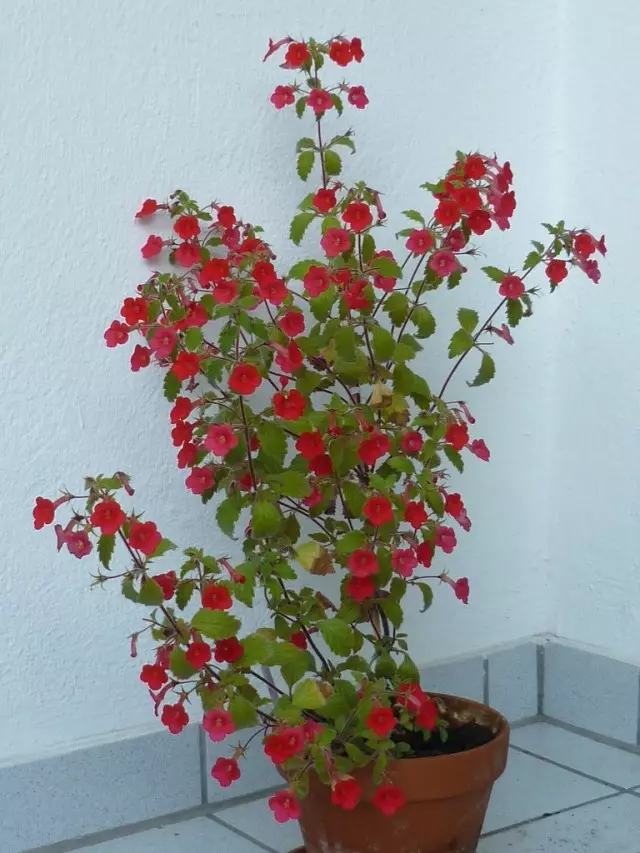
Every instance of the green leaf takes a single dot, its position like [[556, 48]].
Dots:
[[461, 341], [106, 544], [368, 248], [416, 216], [468, 319], [299, 225], [344, 140], [486, 372], [354, 497], [532, 260], [338, 635], [346, 343], [393, 611], [301, 103], [307, 695], [397, 307], [179, 665], [171, 386], [454, 457], [305, 163], [401, 463], [337, 103], [215, 624], [193, 338], [321, 305], [227, 337], [150, 593], [273, 440], [343, 455], [383, 343], [427, 595], [129, 591], [266, 519], [408, 671], [258, 649], [332, 163], [243, 712], [299, 270], [291, 484], [514, 312], [494, 273], [424, 321], [350, 542], [386, 267], [537, 245], [228, 513], [305, 142], [164, 546], [380, 768], [184, 592]]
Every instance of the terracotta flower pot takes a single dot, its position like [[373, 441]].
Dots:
[[447, 798]]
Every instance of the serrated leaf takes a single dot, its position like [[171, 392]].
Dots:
[[321, 305], [183, 593], [273, 440], [305, 163], [301, 103], [532, 260], [454, 457], [227, 338], [337, 103], [258, 649], [461, 341], [514, 312], [150, 593], [299, 225], [537, 245], [402, 464], [368, 248], [468, 319], [171, 386], [266, 519], [486, 372], [350, 542], [291, 484], [179, 665], [347, 141], [338, 635], [383, 343], [494, 273], [193, 338], [128, 590], [305, 142], [243, 712], [416, 216], [427, 595], [228, 513], [299, 270], [215, 624], [307, 695], [424, 321], [387, 267], [354, 498], [332, 163], [397, 307], [106, 544], [393, 611], [164, 546]]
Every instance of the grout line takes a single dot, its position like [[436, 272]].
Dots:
[[215, 808], [540, 676], [493, 832], [638, 708], [202, 752], [242, 834], [598, 738], [618, 788], [527, 721], [485, 682]]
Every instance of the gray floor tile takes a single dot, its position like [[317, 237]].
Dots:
[[611, 826], [531, 788], [195, 836], [257, 821], [604, 762], [513, 681]]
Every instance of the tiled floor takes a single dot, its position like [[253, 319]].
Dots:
[[561, 793]]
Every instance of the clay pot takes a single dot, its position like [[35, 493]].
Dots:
[[447, 798]]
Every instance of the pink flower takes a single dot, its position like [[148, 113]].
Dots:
[[282, 96], [461, 590], [78, 544], [503, 332], [404, 562], [285, 806], [480, 449], [220, 439], [363, 563], [152, 247], [163, 341], [199, 480], [225, 771], [319, 101], [511, 287], [446, 539], [358, 97], [316, 279], [443, 263], [218, 724], [419, 241], [411, 442], [335, 242]]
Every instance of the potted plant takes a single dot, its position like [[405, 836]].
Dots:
[[299, 406]]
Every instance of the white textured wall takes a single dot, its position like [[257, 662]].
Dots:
[[105, 103]]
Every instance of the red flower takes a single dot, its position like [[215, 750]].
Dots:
[[226, 216], [152, 247], [289, 359], [457, 435], [427, 717], [153, 676], [109, 516], [453, 505], [356, 297], [274, 292], [187, 364], [404, 561], [384, 282], [360, 588], [316, 280], [410, 696], [363, 563], [292, 323], [474, 167], [285, 806], [456, 241], [299, 640], [168, 583], [419, 241], [357, 97], [182, 408], [198, 654], [134, 310], [186, 227], [43, 513], [321, 465], [78, 544], [187, 455], [388, 799], [225, 771], [378, 510], [264, 272], [335, 242], [479, 221], [214, 271], [289, 405], [411, 442], [216, 597], [381, 721], [356, 49], [116, 334], [324, 200], [346, 794], [584, 245], [225, 292], [468, 199], [373, 448], [443, 263], [556, 271], [244, 379], [447, 213], [149, 207], [282, 96], [200, 480], [175, 718], [319, 101], [424, 553], [340, 52], [218, 724], [480, 449], [415, 514], [446, 539], [511, 287], [163, 341], [181, 433], [220, 439], [228, 651], [187, 254], [140, 357], [297, 54], [461, 590], [144, 536], [358, 216], [310, 444], [283, 745]]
